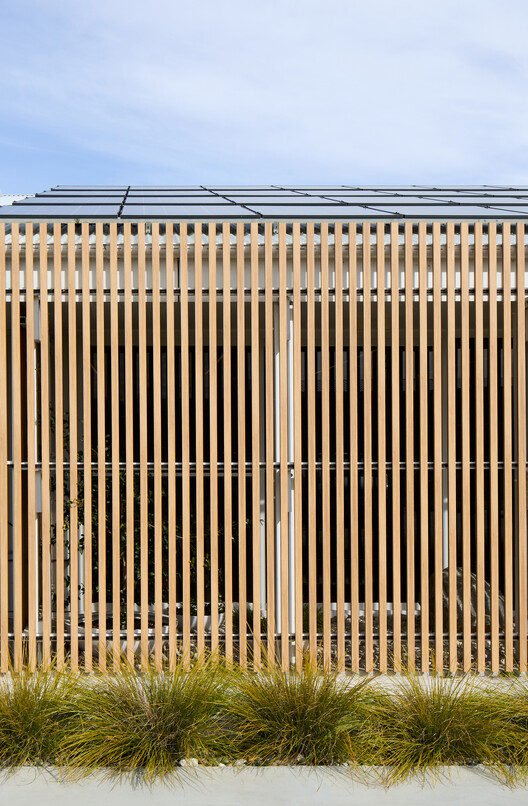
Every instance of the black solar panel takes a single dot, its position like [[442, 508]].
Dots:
[[273, 202]]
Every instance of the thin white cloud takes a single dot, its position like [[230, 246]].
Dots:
[[268, 91]]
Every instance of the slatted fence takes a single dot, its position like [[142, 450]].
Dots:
[[264, 438]]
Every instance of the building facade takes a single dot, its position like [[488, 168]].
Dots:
[[264, 421]]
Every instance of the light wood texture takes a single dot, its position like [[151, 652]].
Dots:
[[283, 451], [129, 440], [424, 471], [241, 407], [4, 489], [171, 438], [59, 444], [213, 418], [508, 447], [101, 444], [200, 530], [228, 493], [382, 448], [312, 488], [143, 448], [72, 449], [297, 442], [270, 471], [255, 446], [325, 440], [45, 444], [395, 423], [409, 440], [186, 481], [479, 444], [494, 445], [354, 439], [31, 453], [437, 451], [368, 480], [522, 613], [156, 402], [340, 448], [17, 443], [466, 426], [451, 447], [87, 440], [114, 449]]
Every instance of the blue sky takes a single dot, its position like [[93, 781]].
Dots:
[[263, 91]]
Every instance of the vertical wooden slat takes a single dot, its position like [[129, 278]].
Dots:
[[424, 471], [186, 492], [466, 427], [479, 445], [4, 520], [522, 614], [17, 444], [31, 451], [508, 434], [451, 449], [395, 424], [255, 443], [409, 440], [270, 471], [382, 458], [116, 484], [101, 443], [283, 454], [340, 450], [59, 442], [437, 437], [325, 439], [312, 489], [213, 431], [87, 438], [297, 457], [494, 445], [171, 437], [156, 388], [198, 342], [241, 408], [129, 440], [73, 447], [228, 502], [354, 438], [367, 436], [143, 447]]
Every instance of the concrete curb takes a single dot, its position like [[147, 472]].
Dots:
[[280, 786]]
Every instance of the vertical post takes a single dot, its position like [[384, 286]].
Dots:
[[241, 409], [409, 442], [354, 438], [340, 449], [382, 458], [522, 614], [199, 379], [297, 445], [213, 420], [59, 442], [270, 471], [437, 457], [73, 446], [31, 450], [4, 498], [255, 445], [479, 446], [171, 438], [129, 441], [395, 399], [87, 438], [494, 445]]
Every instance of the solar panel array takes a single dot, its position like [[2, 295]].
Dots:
[[272, 202]]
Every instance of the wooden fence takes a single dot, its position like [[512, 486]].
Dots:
[[264, 438]]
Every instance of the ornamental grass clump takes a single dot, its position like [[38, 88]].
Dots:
[[301, 717], [432, 722], [144, 723], [35, 716]]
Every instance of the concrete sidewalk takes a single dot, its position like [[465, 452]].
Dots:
[[279, 786]]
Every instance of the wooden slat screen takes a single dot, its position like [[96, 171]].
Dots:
[[266, 440]]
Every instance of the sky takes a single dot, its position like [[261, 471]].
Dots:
[[283, 92]]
